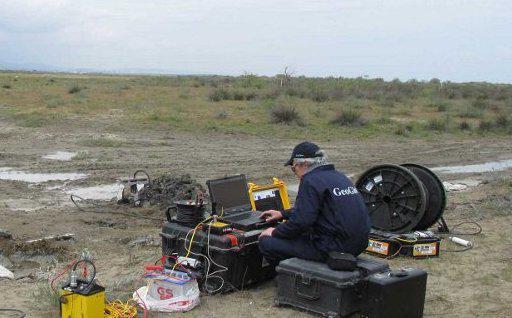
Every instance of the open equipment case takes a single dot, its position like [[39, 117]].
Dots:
[[222, 257]]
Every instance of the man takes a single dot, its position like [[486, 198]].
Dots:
[[329, 213]]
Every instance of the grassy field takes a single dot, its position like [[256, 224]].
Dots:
[[305, 108]]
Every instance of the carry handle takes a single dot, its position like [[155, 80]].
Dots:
[[301, 280], [168, 212]]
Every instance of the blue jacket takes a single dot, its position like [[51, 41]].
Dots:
[[330, 210]]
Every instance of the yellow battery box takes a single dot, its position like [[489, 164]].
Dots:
[[273, 196], [84, 301]]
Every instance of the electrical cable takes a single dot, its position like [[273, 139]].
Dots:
[[477, 231], [21, 313], [103, 211], [119, 309]]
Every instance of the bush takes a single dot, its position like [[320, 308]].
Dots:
[[6, 86], [222, 115], [286, 114], [464, 125], [471, 112], [219, 94], [244, 95], [436, 124], [502, 121], [403, 130], [296, 92], [319, 95], [74, 89], [442, 107], [480, 104], [485, 125], [349, 117]]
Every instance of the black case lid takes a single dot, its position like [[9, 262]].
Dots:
[[321, 270]]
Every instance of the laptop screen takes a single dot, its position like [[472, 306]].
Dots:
[[230, 193]]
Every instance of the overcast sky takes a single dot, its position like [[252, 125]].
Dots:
[[450, 40]]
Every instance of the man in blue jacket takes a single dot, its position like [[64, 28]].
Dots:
[[329, 213]]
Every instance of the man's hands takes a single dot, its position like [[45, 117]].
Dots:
[[271, 215], [267, 232]]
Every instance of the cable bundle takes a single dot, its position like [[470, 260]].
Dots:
[[119, 309]]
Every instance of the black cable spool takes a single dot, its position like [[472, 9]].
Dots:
[[436, 195], [395, 197], [188, 212]]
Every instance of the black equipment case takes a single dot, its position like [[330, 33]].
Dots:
[[396, 294], [372, 290], [237, 253], [315, 287]]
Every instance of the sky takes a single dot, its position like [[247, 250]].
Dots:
[[459, 41]]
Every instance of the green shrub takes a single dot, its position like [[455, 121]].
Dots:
[[349, 117], [319, 95], [480, 104], [442, 107], [74, 89], [403, 130], [436, 124], [502, 121], [464, 125], [485, 125], [244, 95], [219, 94], [471, 112], [6, 86], [295, 91], [222, 115], [286, 114]]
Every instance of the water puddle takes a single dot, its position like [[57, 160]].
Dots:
[[61, 155], [22, 205], [16, 175], [102, 192], [476, 168]]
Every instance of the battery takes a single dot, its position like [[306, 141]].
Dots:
[[419, 244]]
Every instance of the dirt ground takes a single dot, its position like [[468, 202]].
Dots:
[[476, 283]]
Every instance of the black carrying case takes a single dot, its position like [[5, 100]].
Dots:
[[315, 287], [237, 251], [395, 294]]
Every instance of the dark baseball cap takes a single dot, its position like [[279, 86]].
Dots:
[[305, 149]]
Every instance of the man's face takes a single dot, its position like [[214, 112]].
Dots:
[[299, 169]]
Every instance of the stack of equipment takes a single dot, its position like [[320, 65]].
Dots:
[[370, 290], [222, 250]]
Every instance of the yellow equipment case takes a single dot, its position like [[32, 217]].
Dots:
[[269, 197], [83, 301]]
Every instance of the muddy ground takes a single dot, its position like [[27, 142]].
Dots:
[[476, 283]]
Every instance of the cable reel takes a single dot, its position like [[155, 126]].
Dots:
[[402, 198]]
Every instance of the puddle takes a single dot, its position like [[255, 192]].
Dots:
[[16, 175], [460, 185], [22, 205], [61, 155], [101, 192], [483, 167]]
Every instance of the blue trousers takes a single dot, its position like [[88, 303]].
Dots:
[[276, 249]]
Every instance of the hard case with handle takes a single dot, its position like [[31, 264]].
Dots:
[[315, 287]]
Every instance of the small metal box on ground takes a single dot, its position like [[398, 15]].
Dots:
[[81, 302], [313, 286], [395, 294]]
